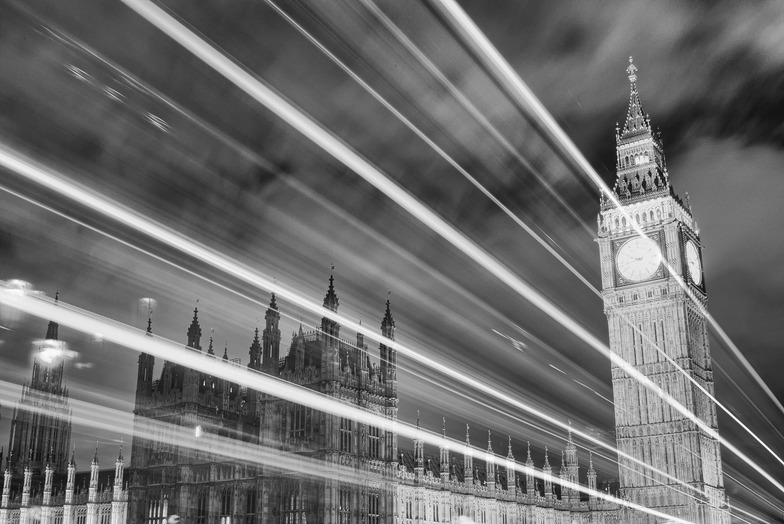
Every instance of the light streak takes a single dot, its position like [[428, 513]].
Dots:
[[443, 154], [335, 147], [486, 52], [340, 151], [164, 349], [25, 167]]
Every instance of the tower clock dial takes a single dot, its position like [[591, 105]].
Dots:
[[638, 259], [693, 262]]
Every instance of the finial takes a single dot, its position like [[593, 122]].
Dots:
[[632, 69], [510, 445], [95, 458], [273, 303], [443, 426], [468, 439], [73, 456], [528, 455], [546, 457], [570, 430], [360, 320], [489, 444], [590, 460], [119, 455], [211, 351], [226, 350], [417, 419], [57, 295]]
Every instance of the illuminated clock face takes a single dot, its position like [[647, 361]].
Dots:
[[693, 262], [638, 259]]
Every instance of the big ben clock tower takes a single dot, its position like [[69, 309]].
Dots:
[[651, 317]]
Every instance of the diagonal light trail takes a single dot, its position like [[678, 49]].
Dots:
[[519, 91], [451, 161], [158, 347], [341, 152], [40, 175]]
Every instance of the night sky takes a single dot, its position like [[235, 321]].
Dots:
[[94, 91]]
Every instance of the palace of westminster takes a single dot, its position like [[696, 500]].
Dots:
[[653, 323]]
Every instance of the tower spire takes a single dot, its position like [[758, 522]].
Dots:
[[194, 331], [331, 299]]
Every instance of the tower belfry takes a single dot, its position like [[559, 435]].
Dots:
[[657, 325]]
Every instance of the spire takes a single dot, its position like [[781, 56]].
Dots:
[[590, 463], [443, 427], [72, 462], [119, 454], [331, 299], [194, 331], [509, 454], [417, 419], [546, 458], [210, 351], [636, 119], [388, 323], [95, 458], [468, 438], [528, 459], [255, 351], [273, 303], [489, 444], [226, 352]]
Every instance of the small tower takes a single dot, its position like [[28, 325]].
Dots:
[[468, 461], [530, 487], [591, 478], [48, 478], [255, 352], [119, 467], [6, 484], [419, 454], [389, 353], [26, 486], [511, 484], [271, 338], [572, 468], [94, 470], [547, 473], [490, 464], [562, 478], [194, 331], [444, 454], [70, 483]]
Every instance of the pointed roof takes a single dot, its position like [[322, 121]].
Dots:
[[528, 460], [226, 352], [273, 303], [194, 331], [591, 471], [95, 458], [119, 454], [211, 351], [637, 121], [255, 346], [388, 323], [72, 462], [546, 458], [489, 443], [509, 454], [331, 299], [468, 439]]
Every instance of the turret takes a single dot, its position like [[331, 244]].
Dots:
[[572, 468], [6, 484], [70, 483], [511, 484], [419, 454], [490, 464], [591, 478], [119, 466], [94, 470], [48, 477], [530, 487], [194, 331], [255, 352], [468, 461], [388, 352], [547, 473], [27, 483], [271, 338], [444, 454]]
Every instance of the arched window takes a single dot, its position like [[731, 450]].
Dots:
[[225, 514], [250, 506], [201, 507]]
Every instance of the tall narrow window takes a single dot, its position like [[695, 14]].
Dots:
[[225, 514], [373, 511], [374, 442], [344, 510], [345, 434], [250, 506], [201, 508]]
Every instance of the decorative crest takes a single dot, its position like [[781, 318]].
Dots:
[[632, 70]]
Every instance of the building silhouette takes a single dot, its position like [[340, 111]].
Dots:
[[658, 325]]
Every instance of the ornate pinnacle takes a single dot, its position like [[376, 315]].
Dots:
[[489, 444], [443, 426], [528, 455], [417, 419], [468, 439], [510, 445], [631, 70]]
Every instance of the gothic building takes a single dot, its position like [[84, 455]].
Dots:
[[204, 487], [654, 324], [40, 484], [654, 297]]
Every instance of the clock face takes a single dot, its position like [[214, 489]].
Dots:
[[638, 259], [693, 262]]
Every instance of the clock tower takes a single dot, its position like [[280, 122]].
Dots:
[[657, 326]]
